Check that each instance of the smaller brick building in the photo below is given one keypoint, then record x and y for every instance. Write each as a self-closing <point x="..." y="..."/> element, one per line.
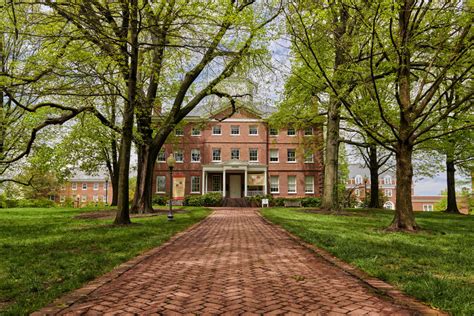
<point x="84" y="189"/>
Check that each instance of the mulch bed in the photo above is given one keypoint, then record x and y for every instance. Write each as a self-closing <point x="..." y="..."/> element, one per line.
<point x="111" y="214"/>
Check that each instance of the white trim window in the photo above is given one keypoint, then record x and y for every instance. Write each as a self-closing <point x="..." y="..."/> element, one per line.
<point x="308" y="156"/>
<point x="216" y="154"/>
<point x="84" y="198"/>
<point x="291" y="155"/>
<point x="195" y="131"/>
<point x="428" y="207"/>
<point x="387" y="180"/>
<point x="358" y="179"/>
<point x="216" y="182"/>
<point x="161" y="184"/>
<point x="291" y="131"/>
<point x="74" y="186"/>
<point x="389" y="205"/>
<point x="161" y="156"/>
<point x="179" y="132"/>
<point x="253" y="130"/>
<point x="274" y="184"/>
<point x="309" y="184"/>
<point x="273" y="131"/>
<point x="235" y="130"/>
<point x="84" y="186"/>
<point x="216" y="130"/>
<point x="291" y="184"/>
<point x="63" y="187"/>
<point x="96" y="186"/>
<point x="62" y="198"/>
<point x="388" y="192"/>
<point x="274" y="157"/>
<point x="195" y="155"/>
<point x="253" y="154"/>
<point x="104" y="199"/>
<point x="235" y="153"/>
<point x="179" y="156"/>
<point x="95" y="198"/>
<point x="195" y="184"/>
<point x="308" y="131"/>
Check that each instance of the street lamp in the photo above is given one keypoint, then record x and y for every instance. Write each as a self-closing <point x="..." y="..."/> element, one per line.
<point x="106" y="190"/>
<point x="171" y="162"/>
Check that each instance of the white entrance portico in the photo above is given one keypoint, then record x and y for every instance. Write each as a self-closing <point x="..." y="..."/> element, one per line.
<point x="233" y="177"/>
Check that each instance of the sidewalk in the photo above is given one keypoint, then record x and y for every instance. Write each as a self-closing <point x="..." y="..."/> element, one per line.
<point x="234" y="262"/>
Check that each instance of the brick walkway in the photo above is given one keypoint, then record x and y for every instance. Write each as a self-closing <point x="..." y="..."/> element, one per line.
<point x="234" y="262"/>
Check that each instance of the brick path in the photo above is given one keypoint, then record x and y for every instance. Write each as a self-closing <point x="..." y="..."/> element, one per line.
<point x="234" y="262"/>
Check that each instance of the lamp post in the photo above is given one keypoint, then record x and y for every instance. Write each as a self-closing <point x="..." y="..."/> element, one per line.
<point x="171" y="162"/>
<point x="106" y="190"/>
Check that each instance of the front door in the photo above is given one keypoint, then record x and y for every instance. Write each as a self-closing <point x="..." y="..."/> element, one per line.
<point x="235" y="186"/>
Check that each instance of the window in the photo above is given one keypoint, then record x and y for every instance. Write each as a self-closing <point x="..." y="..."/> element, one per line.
<point x="357" y="192"/>
<point x="216" y="183"/>
<point x="195" y="155"/>
<point x="308" y="131"/>
<point x="84" y="186"/>
<point x="291" y="184"/>
<point x="274" y="155"/>
<point x="63" y="187"/>
<point x="216" y="154"/>
<point x="273" y="132"/>
<point x="235" y="130"/>
<point x="274" y="184"/>
<point x="308" y="156"/>
<point x="389" y="205"/>
<point x="74" y="186"/>
<point x="358" y="179"/>
<point x="309" y="184"/>
<point x="179" y="132"/>
<point x="387" y="180"/>
<point x="84" y="198"/>
<point x="253" y="130"/>
<point x="96" y="186"/>
<point x="234" y="153"/>
<point x="195" y="184"/>
<point x="291" y="155"/>
<point x="216" y="130"/>
<point x="62" y="198"/>
<point x="95" y="198"/>
<point x="161" y="156"/>
<point x="428" y="207"/>
<point x="253" y="154"/>
<point x="160" y="184"/>
<point x="388" y="193"/>
<point x="195" y="131"/>
<point x="179" y="156"/>
<point x="291" y="131"/>
<point x="104" y="198"/>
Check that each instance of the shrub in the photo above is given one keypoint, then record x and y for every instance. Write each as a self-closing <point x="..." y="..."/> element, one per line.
<point x="311" y="202"/>
<point x="159" y="200"/>
<point x="279" y="201"/>
<point x="193" y="200"/>
<point x="42" y="202"/>
<point x="208" y="199"/>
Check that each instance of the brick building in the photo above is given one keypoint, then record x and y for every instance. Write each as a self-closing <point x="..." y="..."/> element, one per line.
<point x="241" y="156"/>
<point x="85" y="189"/>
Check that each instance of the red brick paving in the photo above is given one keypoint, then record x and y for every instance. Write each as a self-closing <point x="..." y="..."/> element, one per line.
<point x="232" y="263"/>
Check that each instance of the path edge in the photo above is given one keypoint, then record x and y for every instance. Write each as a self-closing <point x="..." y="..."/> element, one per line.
<point x="373" y="283"/>
<point x="70" y="298"/>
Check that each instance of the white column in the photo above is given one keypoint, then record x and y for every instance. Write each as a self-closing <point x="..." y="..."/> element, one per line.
<point x="203" y="189"/>
<point x="223" y="183"/>
<point x="265" y="183"/>
<point x="245" y="182"/>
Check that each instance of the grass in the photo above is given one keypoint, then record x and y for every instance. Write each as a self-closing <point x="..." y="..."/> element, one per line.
<point x="45" y="253"/>
<point x="435" y="265"/>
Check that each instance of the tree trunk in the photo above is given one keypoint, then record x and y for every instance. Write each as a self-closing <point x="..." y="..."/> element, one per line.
<point x="114" y="180"/>
<point x="142" y="202"/>
<point x="374" y="178"/>
<point x="452" y="206"/>
<point x="404" y="217"/>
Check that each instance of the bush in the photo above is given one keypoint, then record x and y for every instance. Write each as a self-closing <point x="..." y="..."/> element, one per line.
<point x="208" y="199"/>
<point x="311" y="202"/>
<point x="159" y="200"/>
<point x="279" y="201"/>
<point x="43" y="202"/>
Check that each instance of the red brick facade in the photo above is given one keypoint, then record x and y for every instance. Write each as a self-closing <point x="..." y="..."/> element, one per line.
<point x="245" y="145"/>
<point x="85" y="191"/>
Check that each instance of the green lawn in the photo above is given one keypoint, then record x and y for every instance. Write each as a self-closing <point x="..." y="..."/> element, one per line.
<point x="45" y="253"/>
<point x="435" y="266"/>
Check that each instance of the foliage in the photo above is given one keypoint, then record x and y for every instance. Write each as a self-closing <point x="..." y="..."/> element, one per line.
<point x="161" y="200"/>
<point x="47" y="252"/>
<point x="435" y="266"/>
<point x="208" y="199"/>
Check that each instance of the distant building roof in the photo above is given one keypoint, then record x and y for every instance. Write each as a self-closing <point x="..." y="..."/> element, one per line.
<point x="82" y="176"/>
<point x="359" y="169"/>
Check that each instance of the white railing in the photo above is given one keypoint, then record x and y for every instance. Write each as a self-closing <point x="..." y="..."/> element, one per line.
<point x="254" y="192"/>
